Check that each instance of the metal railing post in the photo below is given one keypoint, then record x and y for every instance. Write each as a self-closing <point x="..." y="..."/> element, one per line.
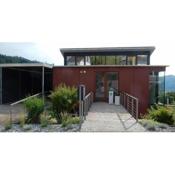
<point x="130" y="103"/>
<point x="137" y="110"/>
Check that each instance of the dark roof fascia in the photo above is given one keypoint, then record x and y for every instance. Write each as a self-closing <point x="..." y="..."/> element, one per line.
<point x="107" y="50"/>
<point x="108" y="66"/>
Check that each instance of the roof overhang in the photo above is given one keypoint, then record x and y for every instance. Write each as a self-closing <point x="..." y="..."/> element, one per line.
<point x="110" y="66"/>
<point x="27" y="65"/>
<point x="106" y="50"/>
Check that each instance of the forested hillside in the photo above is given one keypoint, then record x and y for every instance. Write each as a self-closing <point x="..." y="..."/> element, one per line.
<point x="14" y="59"/>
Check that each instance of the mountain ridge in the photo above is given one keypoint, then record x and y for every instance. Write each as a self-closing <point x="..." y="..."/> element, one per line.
<point x="14" y="59"/>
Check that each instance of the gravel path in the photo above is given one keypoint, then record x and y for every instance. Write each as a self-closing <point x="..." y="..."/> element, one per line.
<point x="103" y="117"/>
<point x="38" y="128"/>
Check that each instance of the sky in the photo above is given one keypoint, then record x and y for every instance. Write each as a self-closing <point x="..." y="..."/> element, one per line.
<point x="57" y="24"/>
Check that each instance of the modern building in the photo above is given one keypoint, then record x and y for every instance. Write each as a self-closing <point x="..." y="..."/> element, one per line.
<point x="122" y="69"/>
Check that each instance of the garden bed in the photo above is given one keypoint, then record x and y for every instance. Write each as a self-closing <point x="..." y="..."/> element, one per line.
<point x="154" y="126"/>
<point x="38" y="128"/>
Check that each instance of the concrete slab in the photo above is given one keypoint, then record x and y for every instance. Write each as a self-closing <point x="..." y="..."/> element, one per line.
<point x="103" y="117"/>
<point x="15" y="110"/>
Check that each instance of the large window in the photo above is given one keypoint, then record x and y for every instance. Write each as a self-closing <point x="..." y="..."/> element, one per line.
<point x="157" y="87"/>
<point x="153" y="87"/>
<point x="80" y="60"/>
<point x="70" y="60"/>
<point x="87" y="60"/>
<point x="142" y="59"/>
<point x="110" y="60"/>
<point x="131" y="60"/>
<point x="107" y="60"/>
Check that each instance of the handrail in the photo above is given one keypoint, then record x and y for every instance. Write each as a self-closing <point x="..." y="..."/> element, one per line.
<point x="85" y="105"/>
<point x="130" y="103"/>
<point x="20" y="101"/>
<point x="87" y="102"/>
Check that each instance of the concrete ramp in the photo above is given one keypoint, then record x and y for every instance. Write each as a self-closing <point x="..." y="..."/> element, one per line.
<point x="103" y="117"/>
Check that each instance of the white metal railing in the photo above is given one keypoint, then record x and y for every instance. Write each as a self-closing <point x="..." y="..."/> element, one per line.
<point x="85" y="105"/>
<point x="20" y="101"/>
<point x="130" y="103"/>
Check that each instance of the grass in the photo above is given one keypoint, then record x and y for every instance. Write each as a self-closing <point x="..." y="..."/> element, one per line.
<point x="22" y="120"/>
<point x="7" y="124"/>
<point x="69" y="120"/>
<point x="44" y="120"/>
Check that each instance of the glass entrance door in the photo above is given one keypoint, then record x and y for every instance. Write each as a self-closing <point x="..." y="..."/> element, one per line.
<point x="112" y="82"/>
<point x="100" y="86"/>
<point x="105" y="81"/>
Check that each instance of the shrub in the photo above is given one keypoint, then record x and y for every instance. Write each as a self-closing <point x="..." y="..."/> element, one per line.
<point x="22" y="120"/>
<point x="152" y="125"/>
<point x="68" y="120"/>
<point x="44" y="120"/>
<point x="7" y="124"/>
<point x="34" y="107"/>
<point x="64" y="100"/>
<point x="161" y="114"/>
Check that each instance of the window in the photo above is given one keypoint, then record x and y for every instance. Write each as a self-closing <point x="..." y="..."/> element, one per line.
<point x="110" y="60"/>
<point x="80" y="60"/>
<point x="87" y="60"/>
<point x="142" y="59"/>
<point x="121" y="60"/>
<point x="70" y="60"/>
<point x="157" y="87"/>
<point x="131" y="60"/>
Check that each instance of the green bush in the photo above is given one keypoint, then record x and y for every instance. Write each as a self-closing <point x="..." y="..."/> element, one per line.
<point x="22" y="120"/>
<point x="34" y="107"/>
<point x="44" y="120"/>
<point x="68" y="120"/>
<point x="161" y="114"/>
<point x="64" y="100"/>
<point x="7" y="124"/>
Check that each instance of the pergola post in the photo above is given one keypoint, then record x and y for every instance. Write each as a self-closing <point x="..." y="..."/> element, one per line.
<point x="43" y="82"/>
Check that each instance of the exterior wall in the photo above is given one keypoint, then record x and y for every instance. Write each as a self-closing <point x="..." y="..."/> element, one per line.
<point x="0" y="85"/>
<point x="132" y="80"/>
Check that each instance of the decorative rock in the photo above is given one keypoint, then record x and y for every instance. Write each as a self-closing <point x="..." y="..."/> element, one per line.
<point x="38" y="128"/>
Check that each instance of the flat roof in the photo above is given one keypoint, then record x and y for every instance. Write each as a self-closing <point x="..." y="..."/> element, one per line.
<point x="149" y="49"/>
<point x="27" y="65"/>
<point x="124" y="66"/>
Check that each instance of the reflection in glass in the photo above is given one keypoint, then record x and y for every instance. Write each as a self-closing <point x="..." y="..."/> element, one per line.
<point x="157" y="87"/>
<point x="70" y="60"/>
<point x="112" y="81"/>
<point x="110" y="60"/>
<point x="131" y="60"/>
<point x="100" y="85"/>
<point x="107" y="60"/>
<point x="87" y="60"/>
<point x="142" y="59"/>
<point x="80" y="60"/>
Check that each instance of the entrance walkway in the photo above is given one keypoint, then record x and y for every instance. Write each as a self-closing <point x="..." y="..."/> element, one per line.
<point x="103" y="117"/>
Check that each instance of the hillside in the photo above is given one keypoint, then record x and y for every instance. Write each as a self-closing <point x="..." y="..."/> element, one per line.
<point x="14" y="59"/>
<point x="170" y="83"/>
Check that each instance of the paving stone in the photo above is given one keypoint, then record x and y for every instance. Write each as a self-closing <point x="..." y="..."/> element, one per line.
<point x="103" y="117"/>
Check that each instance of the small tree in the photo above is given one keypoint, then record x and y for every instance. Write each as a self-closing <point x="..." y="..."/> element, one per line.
<point x="64" y="100"/>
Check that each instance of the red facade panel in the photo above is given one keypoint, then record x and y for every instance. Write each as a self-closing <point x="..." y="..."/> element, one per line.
<point x="133" y="80"/>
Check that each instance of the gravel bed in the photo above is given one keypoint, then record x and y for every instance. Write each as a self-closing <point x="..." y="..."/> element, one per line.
<point x="157" y="127"/>
<point x="38" y="128"/>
